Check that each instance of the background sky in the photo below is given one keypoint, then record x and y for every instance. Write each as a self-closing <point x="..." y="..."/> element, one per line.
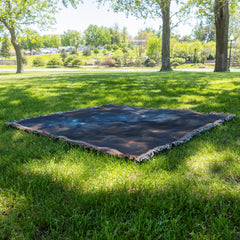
<point x="89" y="13"/>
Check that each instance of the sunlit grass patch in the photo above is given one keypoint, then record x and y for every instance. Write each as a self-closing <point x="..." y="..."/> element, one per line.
<point x="52" y="190"/>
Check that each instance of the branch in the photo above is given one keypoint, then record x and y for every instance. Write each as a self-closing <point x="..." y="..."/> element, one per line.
<point x="5" y="23"/>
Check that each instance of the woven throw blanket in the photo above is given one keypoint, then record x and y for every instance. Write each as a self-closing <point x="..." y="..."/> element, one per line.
<point x="125" y="131"/>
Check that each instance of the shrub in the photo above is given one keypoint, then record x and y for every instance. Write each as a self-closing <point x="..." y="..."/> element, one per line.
<point x="118" y="52"/>
<point x="126" y="59"/>
<point x="178" y="60"/>
<point x="125" y="50"/>
<point x="138" y="62"/>
<point x="150" y="62"/>
<point x="68" y="60"/>
<point x="203" y="59"/>
<point x="86" y="52"/>
<point x="24" y="60"/>
<point x="175" y="64"/>
<point x="130" y="63"/>
<point x="109" y="48"/>
<point x="131" y="46"/>
<point x="63" y="54"/>
<point x="109" y="61"/>
<point x="105" y="52"/>
<point x="38" y="62"/>
<point x="115" y="46"/>
<point x="76" y="62"/>
<point x="54" y="62"/>
<point x="97" y="62"/>
<point x="74" y="51"/>
<point x="96" y="50"/>
<point x="119" y="60"/>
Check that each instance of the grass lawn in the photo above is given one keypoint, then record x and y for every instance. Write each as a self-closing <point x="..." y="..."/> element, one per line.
<point x="52" y="190"/>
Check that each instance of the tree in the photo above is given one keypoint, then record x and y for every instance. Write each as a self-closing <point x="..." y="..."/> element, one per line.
<point x="72" y="38"/>
<point x="205" y="32"/>
<point x="5" y="49"/>
<point x="144" y="35"/>
<point x="144" y="9"/>
<point x="221" y="10"/>
<point x="31" y="41"/>
<point x="15" y="15"/>
<point x="234" y="25"/>
<point x="154" y="48"/>
<point x="51" y="41"/>
<point x="97" y="36"/>
<point x="124" y="35"/>
<point x="115" y="35"/>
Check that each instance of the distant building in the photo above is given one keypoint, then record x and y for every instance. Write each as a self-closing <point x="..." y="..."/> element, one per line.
<point x="67" y="48"/>
<point x="82" y="48"/>
<point x="48" y="50"/>
<point x="33" y="52"/>
<point x="137" y="43"/>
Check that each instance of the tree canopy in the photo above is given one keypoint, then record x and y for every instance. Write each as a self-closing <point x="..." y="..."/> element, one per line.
<point x="97" y="36"/>
<point x="71" y="38"/>
<point x="17" y="15"/>
<point x="145" y="9"/>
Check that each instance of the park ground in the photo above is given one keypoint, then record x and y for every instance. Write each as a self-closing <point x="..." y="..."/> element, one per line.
<point x="52" y="190"/>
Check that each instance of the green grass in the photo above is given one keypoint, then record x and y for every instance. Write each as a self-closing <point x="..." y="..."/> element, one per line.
<point x="52" y="190"/>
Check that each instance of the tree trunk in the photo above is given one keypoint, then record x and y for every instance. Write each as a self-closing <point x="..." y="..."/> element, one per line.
<point x="165" y="8"/>
<point x="221" y="12"/>
<point x="17" y="48"/>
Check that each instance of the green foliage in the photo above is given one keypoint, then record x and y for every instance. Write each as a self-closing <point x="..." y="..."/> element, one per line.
<point x="175" y="64"/>
<point x="96" y="50"/>
<point x="51" y="41"/>
<point x="97" y="36"/>
<point x="119" y="60"/>
<point x="145" y="35"/>
<point x="115" y="47"/>
<point x="77" y="62"/>
<point x="126" y="59"/>
<point x="54" y="62"/>
<point x="68" y="60"/>
<point x="38" y="62"/>
<point x="115" y="35"/>
<point x="138" y="62"/>
<point x="71" y="38"/>
<point x="205" y="33"/>
<point x="74" y="51"/>
<point x="234" y="25"/>
<point x="97" y="62"/>
<point x="140" y="51"/>
<point x="73" y="61"/>
<point x="118" y="52"/>
<point x="86" y="52"/>
<point x="63" y="54"/>
<point x="105" y="51"/>
<point x="178" y="60"/>
<point x="17" y="14"/>
<point x="24" y="60"/>
<point x="109" y="62"/>
<point x="192" y="50"/>
<point x="5" y="49"/>
<point x="109" y="47"/>
<point x="125" y="50"/>
<point x="31" y="40"/>
<point x="154" y="48"/>
<point x="150" y="62"/>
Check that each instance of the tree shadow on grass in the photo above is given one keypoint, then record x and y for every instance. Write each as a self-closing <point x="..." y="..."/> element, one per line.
<point x="105" y="197"/>
<point x="39" y="95"/>
<point x="43" y="205"/>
